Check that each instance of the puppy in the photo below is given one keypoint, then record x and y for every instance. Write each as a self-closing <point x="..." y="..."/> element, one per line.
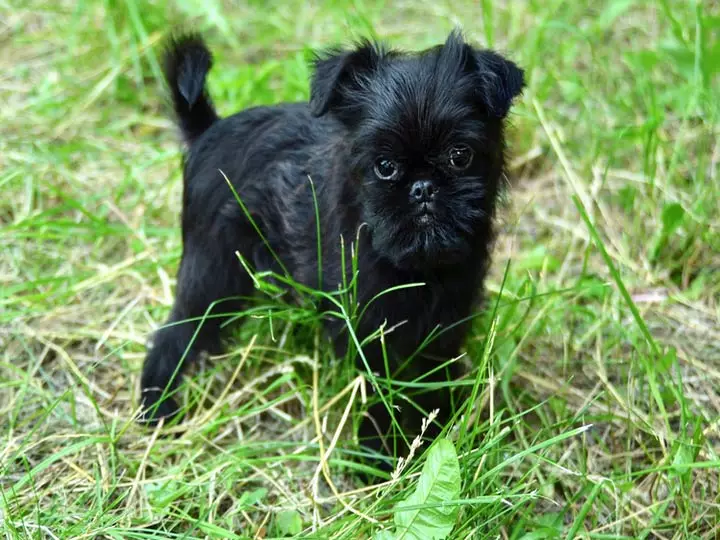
<point x="401" y="154"/>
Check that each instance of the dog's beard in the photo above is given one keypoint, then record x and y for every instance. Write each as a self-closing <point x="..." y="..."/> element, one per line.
<point x="433" y="245"/>
<point x="445" y="236"/>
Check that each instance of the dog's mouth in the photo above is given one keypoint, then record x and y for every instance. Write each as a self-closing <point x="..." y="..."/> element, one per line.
<point x="423" y="240"/>
<point x="425" y="213"/>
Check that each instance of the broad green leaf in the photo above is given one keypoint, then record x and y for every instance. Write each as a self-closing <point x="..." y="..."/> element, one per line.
<point x="384" y="535"/>
<point x="422" y="516"/>
<point x="288" y="523"/>
<point x="684" y="457"/>
<point x="667" y="360"/>
<point x="672" y="216"/>
<point x="251" y="498"/>
<point x="627" y="197"/>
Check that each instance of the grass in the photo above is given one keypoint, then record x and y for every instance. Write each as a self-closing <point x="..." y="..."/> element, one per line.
<point x="596" y="372"/>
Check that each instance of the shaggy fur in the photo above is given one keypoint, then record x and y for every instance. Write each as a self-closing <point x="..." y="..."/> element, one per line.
<point x="410" y="146"/>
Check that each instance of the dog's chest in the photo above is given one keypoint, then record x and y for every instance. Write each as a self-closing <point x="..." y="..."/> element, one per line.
<point x="408" y="313"/>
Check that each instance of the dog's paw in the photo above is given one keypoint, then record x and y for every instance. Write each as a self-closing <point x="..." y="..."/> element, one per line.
<point x="153" y="409"/>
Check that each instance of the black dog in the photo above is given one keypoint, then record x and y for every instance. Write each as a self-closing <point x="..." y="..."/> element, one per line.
<point x="405" y="153"/>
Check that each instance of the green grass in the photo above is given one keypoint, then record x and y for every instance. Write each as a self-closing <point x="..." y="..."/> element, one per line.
<point x="595" y="370"/>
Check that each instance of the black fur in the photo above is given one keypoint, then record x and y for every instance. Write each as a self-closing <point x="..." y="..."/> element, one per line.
<point x="187" y="62"/>
<point x="365" y="104"/>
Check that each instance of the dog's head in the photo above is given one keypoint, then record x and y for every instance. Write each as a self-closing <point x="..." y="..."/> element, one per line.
<point x="426" y="142"/>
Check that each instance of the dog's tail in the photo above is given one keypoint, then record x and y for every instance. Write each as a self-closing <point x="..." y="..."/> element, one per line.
<point x="186" y="63"/>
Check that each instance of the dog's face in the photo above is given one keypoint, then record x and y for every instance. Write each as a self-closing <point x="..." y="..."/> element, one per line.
<point x="426" y="143"/>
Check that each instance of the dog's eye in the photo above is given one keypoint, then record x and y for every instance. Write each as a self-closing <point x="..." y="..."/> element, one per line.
<point x="386" y="169"/>
<point x="461" y="157"/>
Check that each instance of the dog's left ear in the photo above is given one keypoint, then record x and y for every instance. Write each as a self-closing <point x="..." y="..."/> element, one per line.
<point x="339" y="78"/>
<point x="501" y="81"/>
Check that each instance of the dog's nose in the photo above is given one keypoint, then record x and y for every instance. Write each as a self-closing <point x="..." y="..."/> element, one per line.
<point x="422" y="191"/>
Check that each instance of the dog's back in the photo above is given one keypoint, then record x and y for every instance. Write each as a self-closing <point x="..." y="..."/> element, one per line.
<point x="260" y="150"/>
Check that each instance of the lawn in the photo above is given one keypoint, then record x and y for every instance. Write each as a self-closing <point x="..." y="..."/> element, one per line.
<point x="595" y="368"/>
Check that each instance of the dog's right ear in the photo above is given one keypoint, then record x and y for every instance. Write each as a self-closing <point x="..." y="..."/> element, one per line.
<point x="339" y="78"/>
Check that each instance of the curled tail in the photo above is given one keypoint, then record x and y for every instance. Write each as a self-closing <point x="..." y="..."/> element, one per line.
<point x="186" y="63"/>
